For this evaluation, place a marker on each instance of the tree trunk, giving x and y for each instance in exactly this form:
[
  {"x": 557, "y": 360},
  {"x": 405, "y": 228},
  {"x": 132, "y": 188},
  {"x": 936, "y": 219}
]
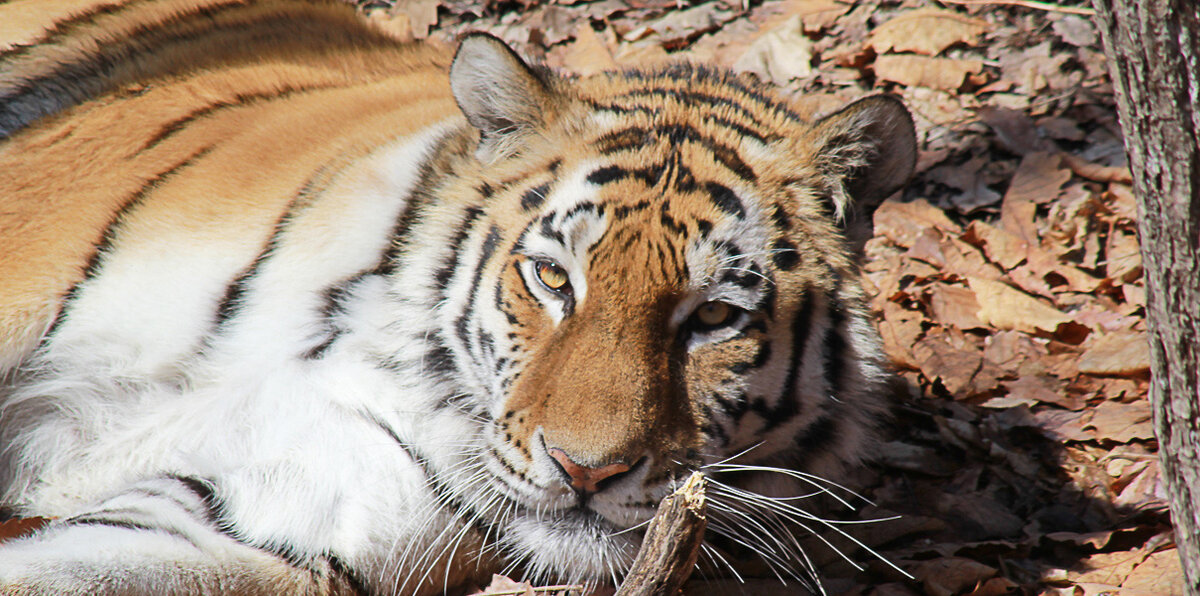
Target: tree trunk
[{"x": 1152, "y": 47}]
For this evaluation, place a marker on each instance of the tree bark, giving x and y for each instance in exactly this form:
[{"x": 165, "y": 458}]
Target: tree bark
[{"x": 1152, "y": 47}]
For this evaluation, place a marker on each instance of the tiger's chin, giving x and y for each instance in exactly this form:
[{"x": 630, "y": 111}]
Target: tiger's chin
[{"x": 576, "y": 546}]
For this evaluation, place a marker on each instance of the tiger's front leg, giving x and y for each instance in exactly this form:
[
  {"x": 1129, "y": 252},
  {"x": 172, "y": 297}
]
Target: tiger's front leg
[{"x": 156, "y": 538}]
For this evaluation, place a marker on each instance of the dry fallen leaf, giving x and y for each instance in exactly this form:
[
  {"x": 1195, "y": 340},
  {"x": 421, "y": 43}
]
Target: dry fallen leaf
[
  {"x": 421, "y": 14},
  {"x": 1160, "y": 573},
  {"x": 950, "y": 575},
  {"x": 1039, "y": 178},
  {"x": 588, "y": 54},
  {"x": 1061, "y": 425},
  {"x": 1005, "y": 307},
  {"x": 1122, "y": 423},
  {"x": 779, "y": 56},
  {"x": 900, "y": 329},
  {"x": 1143, "y": 490},
  {"x": 1000, "y": 246},
  {"x": 396, "y": 24},
  {"x": 1109, "y": 569},
  {"x": 903, "y": 223},
  {"x": 15, "y": 528},
  {"x": 1124, "y": 258},
  {"x": 1037, "y": 389},
  {"x": 947, "y": 74},
  {"x": 954, "y": 305},
  {"x": 678, "y": 26},
  {"x": 1123, "y": 353},
  {"x": 926, "y": 31}
]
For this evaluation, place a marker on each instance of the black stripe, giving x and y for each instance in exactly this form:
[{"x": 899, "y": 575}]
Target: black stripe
[
  {"x": 434, "y": 483},
  {"x": 725, "y": 199},
  {"x": 333, "y": 304},
  {"x": 781, "y": 219},
  {"x": 709, "y": 119},
  {"x": 501, "y": 304},
  {"x": 439, "y": 359},
  {"x": 622, "y": 140},
  {"x": 711, "y": 428},
  {"x": 421, "y": 197},
  {"x": 747, "y": 276},
  {"x": 624, "y": 211},
  {"x": 240, "y": 100},
  {"x": 760, "y": 359},
  {"x": 669, "y": 222},
  {"x": 549, "y": 231},
  {"x": 486, "y": 252},
  {"x": 108, "y": 237},
  {"x": 679, "y": 175},
  {"x": 231, "y": 301},
  {"x": 205, "y": 491},
  {"x": 215, "y": 508},
  {"x": 696, "y": 99},
  {"x": 734, "y": 406},
  {"x": 581, "y": 207},
  {"x": 141, "y": 490},
  {"x": 96, "y": 519},
  {"x": 608, "y": 174},
  {"x": 92, "y": 75},
  {"x": 533, "y": 198},
  {"x": 637, "y": 137},
  {"x": 784, "y": 254},
  {"x": 441, "y": 278},
  {"x": 817, "y": 437},
  {"x": 787, "y": 404},
  {"x": 693, "y": 74},
  {"x": 833, "y": 349}
]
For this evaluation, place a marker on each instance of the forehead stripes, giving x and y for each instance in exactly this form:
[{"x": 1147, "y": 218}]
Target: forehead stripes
[
  {"x": 719, "y": 99},
  {"x": 636, "y": 137}
]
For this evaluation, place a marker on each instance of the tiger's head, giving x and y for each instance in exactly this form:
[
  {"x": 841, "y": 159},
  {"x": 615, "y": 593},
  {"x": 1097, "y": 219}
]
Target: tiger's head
[{"x": 660, "y": 277}]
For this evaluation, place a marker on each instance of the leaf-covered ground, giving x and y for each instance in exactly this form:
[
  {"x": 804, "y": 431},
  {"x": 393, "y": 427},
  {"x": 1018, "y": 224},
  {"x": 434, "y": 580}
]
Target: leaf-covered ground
[{"x": 1007, "y": 278}]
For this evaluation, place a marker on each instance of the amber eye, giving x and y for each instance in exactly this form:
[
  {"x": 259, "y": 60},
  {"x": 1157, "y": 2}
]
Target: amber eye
[
  {"x": 552, "y": 276},
  {"x": 715, "y": 314}
]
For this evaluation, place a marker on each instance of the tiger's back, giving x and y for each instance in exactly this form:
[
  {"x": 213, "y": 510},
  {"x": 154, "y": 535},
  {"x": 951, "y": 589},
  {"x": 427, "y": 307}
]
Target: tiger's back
[
  {"x": 344, "y": 89},
  {"x": 287, "y": 302}
]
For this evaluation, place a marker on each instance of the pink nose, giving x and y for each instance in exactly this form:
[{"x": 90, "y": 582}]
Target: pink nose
[{"x": 583, "y": 478}]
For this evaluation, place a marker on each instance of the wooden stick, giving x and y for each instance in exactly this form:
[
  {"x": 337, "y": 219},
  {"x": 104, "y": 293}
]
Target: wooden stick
[
  {"x": 1024, "y": 4},
  {"x": 672, "y": 544}
]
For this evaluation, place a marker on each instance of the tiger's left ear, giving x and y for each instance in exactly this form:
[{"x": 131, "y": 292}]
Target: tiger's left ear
[
  {"x": 866, "y": 151},
  {"x": 499, "y": 94}
]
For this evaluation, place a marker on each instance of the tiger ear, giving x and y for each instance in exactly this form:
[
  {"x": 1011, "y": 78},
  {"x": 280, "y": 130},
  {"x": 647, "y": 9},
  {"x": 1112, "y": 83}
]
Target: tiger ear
[
  {"x": 499, "y": 94},
  {"x": 866, "y": 151}
]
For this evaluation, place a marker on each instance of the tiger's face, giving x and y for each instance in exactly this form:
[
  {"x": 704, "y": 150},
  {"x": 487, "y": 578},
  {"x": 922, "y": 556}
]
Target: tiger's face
[{"x": 674, "y": 291}]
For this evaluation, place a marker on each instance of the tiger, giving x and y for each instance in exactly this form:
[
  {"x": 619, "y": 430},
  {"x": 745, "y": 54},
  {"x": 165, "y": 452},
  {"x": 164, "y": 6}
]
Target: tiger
[{"x": 291, "y": 305}]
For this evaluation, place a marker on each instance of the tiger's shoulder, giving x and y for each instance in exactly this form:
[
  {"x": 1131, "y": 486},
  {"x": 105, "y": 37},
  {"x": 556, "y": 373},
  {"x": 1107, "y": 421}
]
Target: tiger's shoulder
[{"x": 148, "y": 89}]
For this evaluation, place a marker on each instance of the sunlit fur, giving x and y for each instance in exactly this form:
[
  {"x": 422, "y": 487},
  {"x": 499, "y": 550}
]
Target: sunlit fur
[{"x": 271, "y": 317}]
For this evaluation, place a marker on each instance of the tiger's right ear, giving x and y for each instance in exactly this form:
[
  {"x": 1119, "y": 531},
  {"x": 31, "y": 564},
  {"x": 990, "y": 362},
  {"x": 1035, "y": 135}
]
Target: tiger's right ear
[{"x": 499, "y": 94}]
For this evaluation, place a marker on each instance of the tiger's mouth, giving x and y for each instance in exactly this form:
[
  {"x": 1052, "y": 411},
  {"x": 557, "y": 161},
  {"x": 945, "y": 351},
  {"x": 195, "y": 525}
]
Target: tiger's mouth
[{"x": 585, "y": 518}]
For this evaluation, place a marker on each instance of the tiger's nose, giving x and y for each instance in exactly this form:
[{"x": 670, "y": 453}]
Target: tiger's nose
[{"x": 583, "y": 478}]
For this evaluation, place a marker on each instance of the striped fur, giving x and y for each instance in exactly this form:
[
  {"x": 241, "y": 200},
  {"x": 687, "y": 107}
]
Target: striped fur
[{"x": 275, "y": 313}]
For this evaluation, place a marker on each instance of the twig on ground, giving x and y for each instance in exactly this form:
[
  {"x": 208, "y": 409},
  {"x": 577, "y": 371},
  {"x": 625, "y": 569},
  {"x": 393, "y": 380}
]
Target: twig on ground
[
  {"x": 672, "y": 543},
  {"x": 1034, "y": 4}
]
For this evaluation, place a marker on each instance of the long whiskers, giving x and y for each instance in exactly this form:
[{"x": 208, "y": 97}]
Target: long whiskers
[{"x": 764, "y": 525}]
